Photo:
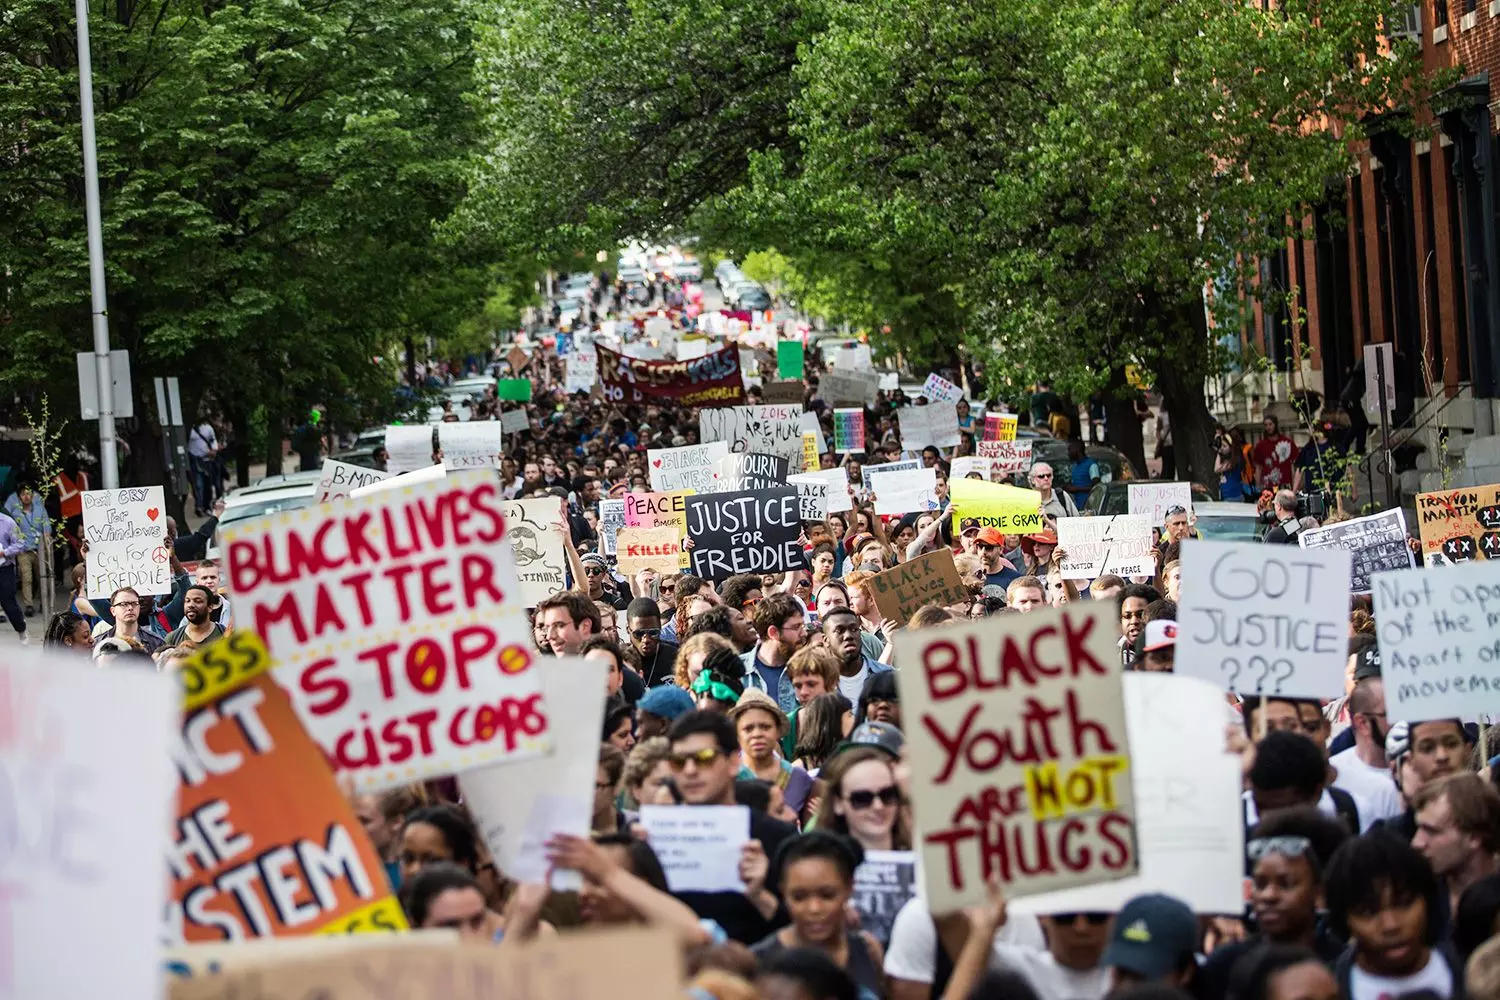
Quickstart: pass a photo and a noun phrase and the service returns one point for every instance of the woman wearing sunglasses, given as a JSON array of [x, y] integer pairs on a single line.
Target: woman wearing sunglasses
[[814, 875], [862, 799]]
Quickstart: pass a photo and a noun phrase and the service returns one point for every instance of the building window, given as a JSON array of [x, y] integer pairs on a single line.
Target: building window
[[1440, 13]]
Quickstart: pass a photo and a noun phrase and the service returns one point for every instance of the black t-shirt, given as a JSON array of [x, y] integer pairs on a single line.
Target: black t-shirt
[[1211, 982], [733, 911], [659, 665]]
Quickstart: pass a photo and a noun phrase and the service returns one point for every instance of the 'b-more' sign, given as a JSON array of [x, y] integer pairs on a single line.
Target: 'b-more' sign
[[1019, 755]]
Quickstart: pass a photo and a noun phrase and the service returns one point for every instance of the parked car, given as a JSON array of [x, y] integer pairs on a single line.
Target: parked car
[[1113, 465], [688, 270], [754, 297], [1114, 497], [275, 498], [1221, 521]]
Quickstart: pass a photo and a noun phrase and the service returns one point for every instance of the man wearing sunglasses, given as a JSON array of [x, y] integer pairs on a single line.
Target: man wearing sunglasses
[[1055, 503], [643, 620], [600, 585], [705, 758]]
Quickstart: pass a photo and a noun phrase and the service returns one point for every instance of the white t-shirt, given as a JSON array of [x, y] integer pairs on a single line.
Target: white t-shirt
[[1052, 981], [1434, 976], [1326, 806], [1372, 786], [853, 687], [912, 953]]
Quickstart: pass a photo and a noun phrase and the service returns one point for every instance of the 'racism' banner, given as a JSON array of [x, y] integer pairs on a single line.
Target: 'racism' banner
[[712, 380]]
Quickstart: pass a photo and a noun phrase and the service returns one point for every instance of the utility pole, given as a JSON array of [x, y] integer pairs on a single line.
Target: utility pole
[[98, 302]]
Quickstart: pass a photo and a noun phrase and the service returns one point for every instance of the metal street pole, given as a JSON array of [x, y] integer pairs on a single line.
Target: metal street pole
[[98, 302]]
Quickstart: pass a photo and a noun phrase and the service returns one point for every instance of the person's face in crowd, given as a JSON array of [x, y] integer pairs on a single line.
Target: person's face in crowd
[[861, 519], [126, 607], [1057, 589], [904, 536], [861, 603], [872, 553], [645, 634], [594, 573], [968, 540], [929, 457], [1440, 840], [790, 635], [1268, 427], [381, 831], [830, 598], [1077, 940], [596, 903], [1177, 526], [758, 733], [422, 844], [1042, 552], [1171, 581], [704, 773], [25, 495], [1437, 750], [1133, 618], [549, 467], [508, 470], [1392, 940], [1284, 895], [695, 666], [646, 792], [839, 525], [207, 576], [1160, 661], [604, 789], [607, 621], [1315, 725], [539, 634], [823, 565], [991, 554], [842, 635], [1280, 715], [742, 630], [195, 607], [591, 491], [698, 606], [1041, 477], [648, 725], [1305, 981], [807, 687], [564, 635], [940, 486], [460, 910], [638, 484], [624, 735], [616, 678], [752, 597], [1027, 599], [611, 469], [884, 709], [532, 474], [816, 893]]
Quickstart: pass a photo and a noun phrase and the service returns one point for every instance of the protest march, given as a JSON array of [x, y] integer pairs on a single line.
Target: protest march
[[642, 681]]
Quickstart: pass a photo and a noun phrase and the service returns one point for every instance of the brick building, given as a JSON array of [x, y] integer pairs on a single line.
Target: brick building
[[1410, 255]]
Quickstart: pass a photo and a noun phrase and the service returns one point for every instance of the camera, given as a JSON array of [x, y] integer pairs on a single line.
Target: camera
[[1312, 504]]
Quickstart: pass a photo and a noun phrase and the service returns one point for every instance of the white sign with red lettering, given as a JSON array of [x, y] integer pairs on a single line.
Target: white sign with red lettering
[[395, 621]]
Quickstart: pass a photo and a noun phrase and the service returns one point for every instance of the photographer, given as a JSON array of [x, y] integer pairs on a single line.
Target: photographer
[[1284, 531]]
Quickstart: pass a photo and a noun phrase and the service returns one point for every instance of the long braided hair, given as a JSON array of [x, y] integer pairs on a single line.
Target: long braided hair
[[60, 628]]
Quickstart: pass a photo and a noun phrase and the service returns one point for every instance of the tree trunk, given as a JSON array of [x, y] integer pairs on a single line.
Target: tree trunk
[[148, 450], [1181, 387], [240, 425], [274, 435], [1121, 428]]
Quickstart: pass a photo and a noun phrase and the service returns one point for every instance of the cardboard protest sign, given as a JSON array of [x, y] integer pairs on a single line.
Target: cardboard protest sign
[[539, 535], [1264, 618], [905, 491], [789, 359], [472, 445], [931, 578], [431, 474], [746, 470], [1120, 544], [1438, 645], [867, 473], [205, 958], [882, 885], [1459, 526], [940, 390], [611, 520], [770, 430], [1019, 755], [518, 359], [782, 392], [1376, 544], [851, 356], [837, 493], [127, 534], [1000, 426], [265, 844], [1155, 499], [659, 510], [647, 548], [514, 421], [518, 805], [86, 788], [690, 467], [808, 424], [699, 846], [517, 390], [934, 425], [1010, 509], [812, 497], [581, 372], [340, 479], [752, 532], [811, 460], [407, 448], [633, 964], [1189, 827], [849, 431], [396, 624], [712, 380], [841, 385], [1009, 457]]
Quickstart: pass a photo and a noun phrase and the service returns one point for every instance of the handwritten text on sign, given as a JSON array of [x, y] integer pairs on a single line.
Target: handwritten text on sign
[[1440, 641], [339, 479], [395, 623], [127, 535], [265, 844], [753, 532], [1264, 618], [1018, 753]]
